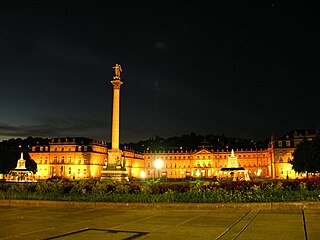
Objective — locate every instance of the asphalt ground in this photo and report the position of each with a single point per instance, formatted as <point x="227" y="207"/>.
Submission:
<point x="83" y="220"/>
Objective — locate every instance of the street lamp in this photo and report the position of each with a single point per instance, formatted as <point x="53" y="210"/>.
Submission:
<point x="158" y="164"/>
<point x="142" y="174"/>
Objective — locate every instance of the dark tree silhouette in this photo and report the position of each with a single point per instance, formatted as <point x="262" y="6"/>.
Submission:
<point x="306" y="157"/>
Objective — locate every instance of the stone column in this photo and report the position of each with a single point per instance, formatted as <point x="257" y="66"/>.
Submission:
<point x="116" y="114"/>
<point x="115" y="169"/>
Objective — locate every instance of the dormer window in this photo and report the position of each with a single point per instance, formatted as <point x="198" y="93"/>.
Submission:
<point x="287" y="143"/>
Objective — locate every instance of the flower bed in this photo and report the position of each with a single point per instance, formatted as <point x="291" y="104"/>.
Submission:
<point x="188" y="192"/>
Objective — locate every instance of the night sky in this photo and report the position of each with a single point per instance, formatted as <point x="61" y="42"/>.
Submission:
<point x="248" y="70"/>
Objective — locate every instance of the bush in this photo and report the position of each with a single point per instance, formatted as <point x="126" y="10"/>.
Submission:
<point x="155" y="191"/>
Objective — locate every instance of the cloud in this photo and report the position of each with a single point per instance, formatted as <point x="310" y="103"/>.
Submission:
<point x="50" y="127"/>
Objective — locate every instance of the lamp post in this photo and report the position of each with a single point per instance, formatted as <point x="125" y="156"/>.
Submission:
<point x="142" y="175"/>
<point x="158" y="164"/>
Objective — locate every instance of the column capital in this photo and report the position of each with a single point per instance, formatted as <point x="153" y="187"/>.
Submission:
<point x="116" y="83"/>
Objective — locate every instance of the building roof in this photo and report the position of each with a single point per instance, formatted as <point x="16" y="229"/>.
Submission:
<point x="298" y="133"/>
<point x="77" y="141"/>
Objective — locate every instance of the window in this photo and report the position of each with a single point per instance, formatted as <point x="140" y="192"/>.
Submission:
<point x="69" y="159"/>
<point x="55" y="159"/>
<point x="62" y="159"/>
<point x="279" y="143"/>
<point x="287" y="143"/>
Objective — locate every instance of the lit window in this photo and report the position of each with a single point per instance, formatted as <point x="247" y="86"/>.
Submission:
<point x="279" y="143"/>
<point x="288" y="143"/>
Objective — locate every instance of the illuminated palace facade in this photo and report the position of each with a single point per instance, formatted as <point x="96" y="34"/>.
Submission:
<point x="83" y="158"/>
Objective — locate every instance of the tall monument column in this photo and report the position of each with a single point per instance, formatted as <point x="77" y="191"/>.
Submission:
<point x="115" y="167"/>
<point x="116" y="113"/>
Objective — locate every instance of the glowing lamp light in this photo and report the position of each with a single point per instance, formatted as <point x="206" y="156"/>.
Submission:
<point x="158" y="163"/>
<point x="142" y="174"/>
<point x="259" y="172"/>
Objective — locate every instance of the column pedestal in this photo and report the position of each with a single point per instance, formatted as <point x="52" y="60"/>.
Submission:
<point x="115" y="170"/>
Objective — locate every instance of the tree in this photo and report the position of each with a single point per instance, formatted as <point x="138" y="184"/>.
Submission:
<point x="9" y="158"/>
<point x="306" y="157"/>
<point x="315" y="152"/>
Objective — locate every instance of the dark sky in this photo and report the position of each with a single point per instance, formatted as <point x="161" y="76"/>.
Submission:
<point x="247" y="70"/>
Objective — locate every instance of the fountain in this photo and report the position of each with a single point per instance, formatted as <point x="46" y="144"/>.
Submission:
<point x="233" y="169"/>
<point x="21" y="173"/>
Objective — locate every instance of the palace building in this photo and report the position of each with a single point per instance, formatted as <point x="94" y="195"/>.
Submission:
<point x="83" y="158"/>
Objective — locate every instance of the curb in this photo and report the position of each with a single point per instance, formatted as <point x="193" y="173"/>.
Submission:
<point x="163" y="206"/>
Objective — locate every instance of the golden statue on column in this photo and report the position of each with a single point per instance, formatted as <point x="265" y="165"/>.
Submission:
<point x="117" y="71"/>
<point x="115" y="168"/>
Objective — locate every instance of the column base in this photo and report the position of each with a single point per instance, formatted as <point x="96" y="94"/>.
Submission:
<point x="120" y="175"/>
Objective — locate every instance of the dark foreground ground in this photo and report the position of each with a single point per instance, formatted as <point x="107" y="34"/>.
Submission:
<point x="65" y="220"/>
